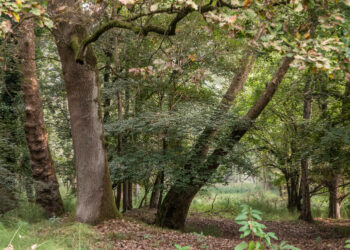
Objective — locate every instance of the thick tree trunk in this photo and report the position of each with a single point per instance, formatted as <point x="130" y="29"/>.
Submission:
<point x="334" y="202"/>
<point x="305" y="190"/>
<point x="45" y="181"/>
<point x="95" y="200"/>
<point x="174" y="208"/>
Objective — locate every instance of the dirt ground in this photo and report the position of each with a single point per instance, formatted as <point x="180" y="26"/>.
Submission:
<point x="136" y="231"/>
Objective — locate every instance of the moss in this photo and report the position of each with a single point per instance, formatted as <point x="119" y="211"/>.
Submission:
<point x="74" y="44"/>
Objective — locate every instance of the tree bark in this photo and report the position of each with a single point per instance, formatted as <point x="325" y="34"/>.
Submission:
<point x="155" y="192"/>
<point x="130" y="195"/>
<point x="305" y="189"/>
<point x="334" y="201"/>
<point x="43" y="169"/>
<point x="137" y="190"/>
<point x="125" y="196"/>
<point x="119" y="196"/>
<point x="293" y="186"/>
<point x="174" y="208"/>
<point x="95" y="200"/>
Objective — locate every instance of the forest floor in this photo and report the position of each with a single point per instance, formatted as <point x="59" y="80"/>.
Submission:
<point x="136" y="231"/>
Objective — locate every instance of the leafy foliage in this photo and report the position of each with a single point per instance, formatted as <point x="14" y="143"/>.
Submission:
<point x="248" y="219"/>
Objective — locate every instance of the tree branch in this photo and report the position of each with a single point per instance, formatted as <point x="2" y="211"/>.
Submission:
<point x="143" y="30"/>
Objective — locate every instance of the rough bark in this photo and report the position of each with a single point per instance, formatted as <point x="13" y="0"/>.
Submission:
<point x="305" y="189"/>
<point x="95" y="200"/>
<point x="174" y="208"/>
<point x="43" y="169"/>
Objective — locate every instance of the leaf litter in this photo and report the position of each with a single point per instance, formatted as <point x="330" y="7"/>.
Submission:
<point x="136" y="231"/>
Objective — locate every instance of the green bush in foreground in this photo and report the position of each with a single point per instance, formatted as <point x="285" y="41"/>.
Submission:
<point x="249" y="218"/>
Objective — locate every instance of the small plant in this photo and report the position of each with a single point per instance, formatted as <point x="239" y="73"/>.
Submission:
<point x="178" y="247"/>
<point x="200" y="237"/>
<point x="347" y="244"/>
<point x="55" y="220"/>
<point x="147" y="236"/>
<point x="249" y="218"/>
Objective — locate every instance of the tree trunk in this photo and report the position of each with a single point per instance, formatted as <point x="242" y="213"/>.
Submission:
<point x="160" y="199"/>
<point x="174" y="208"/>
<point x="125" y="196"/>
<point x="130" y="195"/>
<point x="293" y="186"/>
<point x="95" y="200"/>
<point x="44" y="173"/>
<point x="119" y="195"/>
<point x="137" y="190"/>
<point x="334" y="202"/>
<point x="155" y="192"/>
<point x="305" y="190"/>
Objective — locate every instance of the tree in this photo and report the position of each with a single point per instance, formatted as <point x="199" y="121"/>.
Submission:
<point x="174" y="209"/>
<point x="304" y="186"/>
<point x="94" y="202"/>
<point x="44" y="174"/>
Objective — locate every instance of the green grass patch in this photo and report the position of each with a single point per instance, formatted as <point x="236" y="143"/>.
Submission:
<point x="27" y="226"/>
<point x="274" y="207"/>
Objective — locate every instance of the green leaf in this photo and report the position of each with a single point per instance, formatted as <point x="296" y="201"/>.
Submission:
<point x="251" y="245"/>
<point x="241" y="246"/>
<point x="241" y="217"/>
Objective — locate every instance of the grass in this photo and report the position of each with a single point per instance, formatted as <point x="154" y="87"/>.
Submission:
<point x="26" y="227"/>
<point x="274" y="207"/>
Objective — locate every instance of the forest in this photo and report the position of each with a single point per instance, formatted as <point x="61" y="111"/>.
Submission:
<point x="174" y="124"/>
